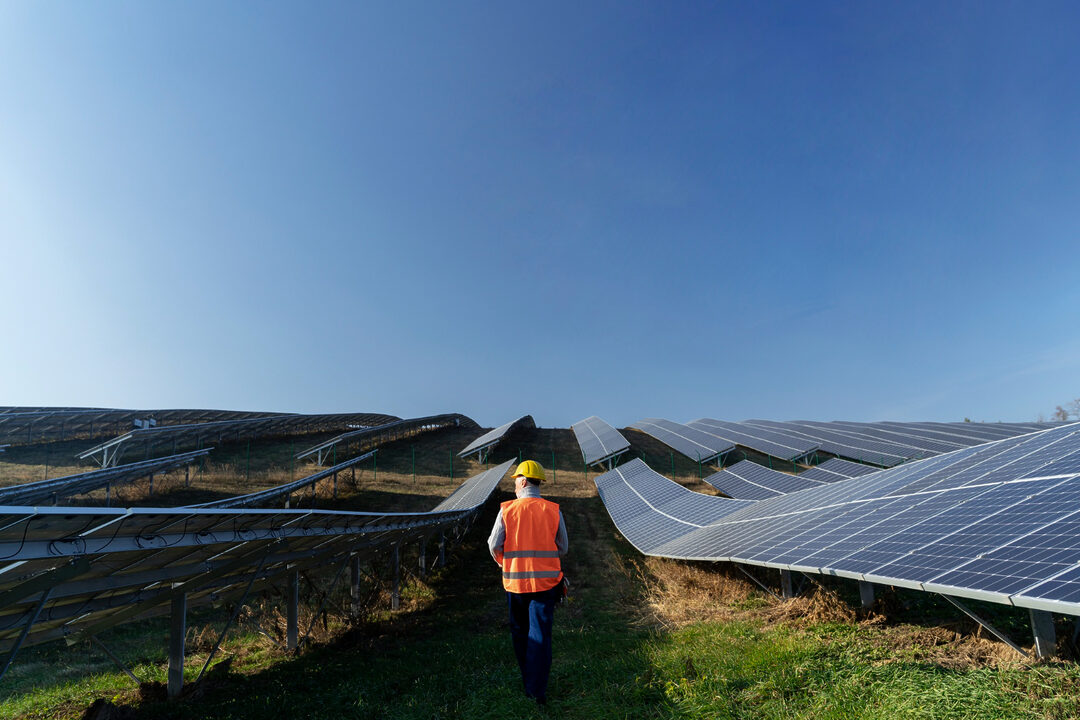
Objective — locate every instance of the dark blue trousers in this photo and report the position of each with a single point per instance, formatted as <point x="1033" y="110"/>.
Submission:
<point x="531" y="615"/>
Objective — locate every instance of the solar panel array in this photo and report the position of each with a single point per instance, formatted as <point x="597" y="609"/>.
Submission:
<point x="840" y="444"/>
<point x="599" y="442"/>
<point x="149" y="438"/>
<point x="80" y="570"/>
<point x="263" y="497"/>
<point x="483" y="444"/>
<point x="372" y="436"/>
<point x="24" y="426"/>
<point x="995" y="522"/>
<point x="691" y="442"/>
<point x="770" y="442"/>
<point x="54" y="489"/>
<point x="749" y="481"/>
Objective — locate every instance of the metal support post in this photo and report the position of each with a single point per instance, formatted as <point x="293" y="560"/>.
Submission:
<point x="151" y="492"/>
<point x="25" y="631"/>
<point x="116" y="660"/>
<point x="395" y="597"/>
<point x="423" y="559"/>
<point x="997" y="633"/>
<point x="866" y="593"/>
<point x="292" y="611"/>
<point x="785" y="584"/>
<point x="757" y="582"/>
<point x="442" y="549"/>
<point x="335" y="486"/>
<point x="354" y="583"/>
<point x="1042" y="627"/>
<point x="177" y="633"/>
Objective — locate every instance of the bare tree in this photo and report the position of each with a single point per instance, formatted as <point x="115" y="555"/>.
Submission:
<point x="1060" y="413"/>
<point x="1073" y="406"/>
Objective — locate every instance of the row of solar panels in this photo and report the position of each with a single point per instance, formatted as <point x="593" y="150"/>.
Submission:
<point x="151" y="438"/>
<point x="998" y="521"/>
<point x="23" y="426"/>
<point x="80" y="570"/>
<point x="53" y="490"/>
<point x="884" y="444"/>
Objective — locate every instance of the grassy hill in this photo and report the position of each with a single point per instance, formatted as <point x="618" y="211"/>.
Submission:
<point x="641" y="637"/>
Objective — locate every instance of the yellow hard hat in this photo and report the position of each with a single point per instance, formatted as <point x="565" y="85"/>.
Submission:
<point x="530" y="469"/>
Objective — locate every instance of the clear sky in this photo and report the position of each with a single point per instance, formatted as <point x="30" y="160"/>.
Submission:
<point x="737" y="210"/>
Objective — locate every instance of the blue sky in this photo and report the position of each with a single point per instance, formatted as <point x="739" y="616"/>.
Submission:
<point x="773" y="210"/>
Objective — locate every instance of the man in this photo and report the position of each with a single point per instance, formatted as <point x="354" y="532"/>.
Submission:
<point x="528" y="539"/>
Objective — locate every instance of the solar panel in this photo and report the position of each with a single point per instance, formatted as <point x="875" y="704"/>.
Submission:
<point x="835" y="469"/>
<point x="747" y="480"/>
<point x="784" y="447"/>
<point x="53" y="489"/>
<point x="599" y="442"/>
<point x="483" y="444"/>
<point x="476" y="490"/>
<point x="692" y="443"/>
<point x="996" y="522"/>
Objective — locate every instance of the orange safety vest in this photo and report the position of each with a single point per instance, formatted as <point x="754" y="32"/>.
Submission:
<point x="530" y="558"/>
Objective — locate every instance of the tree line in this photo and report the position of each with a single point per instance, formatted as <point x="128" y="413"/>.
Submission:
<point x="1067" y="411"/>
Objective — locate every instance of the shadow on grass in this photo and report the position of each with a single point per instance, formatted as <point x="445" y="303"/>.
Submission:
<point x="453" y="659"/>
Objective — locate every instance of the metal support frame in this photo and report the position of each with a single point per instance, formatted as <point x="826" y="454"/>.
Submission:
<point x="785" y="584"/>
<point x="232" y="618"/>
<point x="25" y="631"/>
<point x="116" y="661"/>
<point x="422" y="562"/>
<point x="866" y="593"/>
<point x="177" y="633"/>
<point x="292" y="611"/>
<point x="757" y="582"/>
<point x="259" y="629"/>
<point x="1042" y="628"/>
<point x="395" y="595"/>
<point x="326" y="597"/>
<point x="993" y="630"/>
<point x="355" y="571"/>
<point x="442" y="549"/>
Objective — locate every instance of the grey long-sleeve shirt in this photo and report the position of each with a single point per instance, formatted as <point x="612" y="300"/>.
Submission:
<point x="498" y="533"/>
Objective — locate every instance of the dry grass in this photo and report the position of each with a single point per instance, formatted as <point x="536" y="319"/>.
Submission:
<point x="678" y="594"/>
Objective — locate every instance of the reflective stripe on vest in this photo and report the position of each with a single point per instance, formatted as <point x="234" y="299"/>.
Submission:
<point x="530" y="557"/>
